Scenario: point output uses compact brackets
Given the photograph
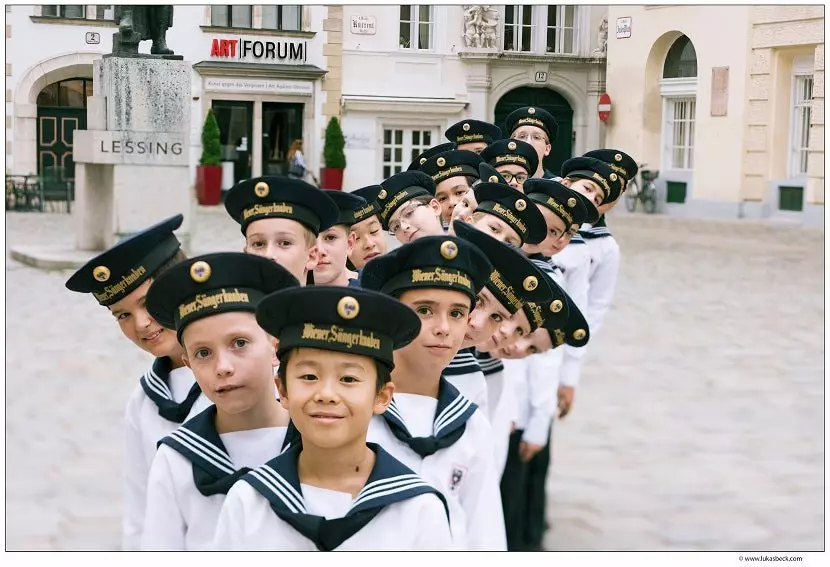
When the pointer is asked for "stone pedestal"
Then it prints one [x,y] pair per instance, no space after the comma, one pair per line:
[132,161]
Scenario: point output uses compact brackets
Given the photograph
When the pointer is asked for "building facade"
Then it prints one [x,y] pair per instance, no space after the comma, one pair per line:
[735,126]
[411,71]
[262,69]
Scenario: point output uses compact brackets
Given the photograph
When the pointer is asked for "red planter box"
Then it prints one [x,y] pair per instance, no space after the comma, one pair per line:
[331,178]
[209,184]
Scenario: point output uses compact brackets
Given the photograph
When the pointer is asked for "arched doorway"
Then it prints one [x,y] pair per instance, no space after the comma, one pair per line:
[61,109]
[553,102]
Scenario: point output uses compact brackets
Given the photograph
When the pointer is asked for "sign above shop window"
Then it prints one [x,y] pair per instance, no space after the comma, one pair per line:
[257,51]
[259,86]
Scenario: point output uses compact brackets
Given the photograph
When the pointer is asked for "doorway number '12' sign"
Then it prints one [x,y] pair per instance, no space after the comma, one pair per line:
[541,76]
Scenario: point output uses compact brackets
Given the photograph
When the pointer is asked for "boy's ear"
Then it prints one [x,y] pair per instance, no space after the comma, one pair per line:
[435,206]
[185,360]
[313,258]
[383,398]
[350,242]
[275,362]
[283,393]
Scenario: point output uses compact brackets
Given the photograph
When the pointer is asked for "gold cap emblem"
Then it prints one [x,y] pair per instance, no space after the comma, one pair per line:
[613,177]
[422,161]
[617,157]
[449,249]
[382,194]
[261,189]
[521,205]
[511,146]
[579,334]
[200,271]
[530,283]
[493,179]
[571,202]
[441,162]
[531,110]
[466,127]
[348,307]
[101,273]
[556,306]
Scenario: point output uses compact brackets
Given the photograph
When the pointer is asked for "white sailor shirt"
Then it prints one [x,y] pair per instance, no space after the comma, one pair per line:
[161,390]
[575,261]
[194,469]
[465,374]
[269,509]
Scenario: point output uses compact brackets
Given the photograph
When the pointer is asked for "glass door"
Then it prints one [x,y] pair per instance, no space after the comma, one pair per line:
[236,122]
[282,123]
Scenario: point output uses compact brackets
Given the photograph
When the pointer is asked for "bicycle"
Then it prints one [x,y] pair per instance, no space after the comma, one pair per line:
[647,195]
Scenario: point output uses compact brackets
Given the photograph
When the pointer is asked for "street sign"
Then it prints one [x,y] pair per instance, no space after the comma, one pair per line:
[604,107]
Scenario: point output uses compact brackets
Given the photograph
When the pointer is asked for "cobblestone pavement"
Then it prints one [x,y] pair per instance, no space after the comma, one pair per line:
[698,423]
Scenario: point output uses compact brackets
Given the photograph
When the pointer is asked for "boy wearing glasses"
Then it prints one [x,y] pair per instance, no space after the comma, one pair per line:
[538,128]
[515,160]
[408,207]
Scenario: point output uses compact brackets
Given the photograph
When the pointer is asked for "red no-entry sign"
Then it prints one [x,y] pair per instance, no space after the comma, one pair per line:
[604,107]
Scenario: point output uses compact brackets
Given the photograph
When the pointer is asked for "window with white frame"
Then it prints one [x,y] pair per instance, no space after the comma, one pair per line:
[63,11]
[402,145]
[541,29]
[235,16]
[678,88]
[416,25]
[282,17]
[802,102]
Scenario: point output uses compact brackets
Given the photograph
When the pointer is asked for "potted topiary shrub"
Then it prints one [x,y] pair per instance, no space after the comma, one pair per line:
[334,157]
[209,170]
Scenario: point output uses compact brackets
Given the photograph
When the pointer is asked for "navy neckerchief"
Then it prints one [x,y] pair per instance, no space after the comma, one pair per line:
[198,442]
[389,482]
[543,263]
[448,425]
[292,437]
[155,385]
[464,362]
[489,364]
[598,230]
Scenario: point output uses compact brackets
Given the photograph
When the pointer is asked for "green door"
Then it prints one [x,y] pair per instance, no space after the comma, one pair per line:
[55,135]
[553,102]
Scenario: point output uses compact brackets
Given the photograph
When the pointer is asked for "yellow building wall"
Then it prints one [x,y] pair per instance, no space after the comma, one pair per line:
[720,35]
[780,34]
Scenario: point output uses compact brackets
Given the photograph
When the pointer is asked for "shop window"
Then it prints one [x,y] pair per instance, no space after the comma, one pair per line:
[402,145]
[281,17]
[64,11]
[416,27]
[680,131]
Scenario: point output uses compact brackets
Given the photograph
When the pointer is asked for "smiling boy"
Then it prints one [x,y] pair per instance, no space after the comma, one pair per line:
[370,240]
[209,301]
[429,425]
[336,243]
[453,173]
[332,490]
[280,219]
[119,280]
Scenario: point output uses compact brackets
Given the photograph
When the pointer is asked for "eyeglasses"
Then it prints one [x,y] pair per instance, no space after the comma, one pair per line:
[406,215]
[535,137]
[519,177]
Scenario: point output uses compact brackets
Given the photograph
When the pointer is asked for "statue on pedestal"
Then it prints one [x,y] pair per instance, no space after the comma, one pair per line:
[140,23]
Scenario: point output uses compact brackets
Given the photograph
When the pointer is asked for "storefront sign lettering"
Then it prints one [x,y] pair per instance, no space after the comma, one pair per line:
[260,51]
[264,86]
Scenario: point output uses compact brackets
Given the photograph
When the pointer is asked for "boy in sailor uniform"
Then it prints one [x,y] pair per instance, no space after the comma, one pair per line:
[209,301]
[472,135]
[515,160]
[429,425]
[514,281]
[537,127]
[337,242]
[331,489]
[408,207]
[453,172]
[508,217]
[370,242]
[280,219]
[165,396]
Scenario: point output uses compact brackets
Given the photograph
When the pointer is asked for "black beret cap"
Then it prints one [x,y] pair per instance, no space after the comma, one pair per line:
[532,116]
[573,330]
[512,152]
[370,195]
[347,203]
[488,174]
[572,207]
[514,279]
[342,319]
[472,131]
[597,171]
[426,154]
[443,262]
[281,197]
[514,208]
[114,274]
[451,164]
[211,284]
[622,163]
[399,189]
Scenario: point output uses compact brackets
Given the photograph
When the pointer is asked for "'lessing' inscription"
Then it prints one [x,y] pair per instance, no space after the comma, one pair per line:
[131,148]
